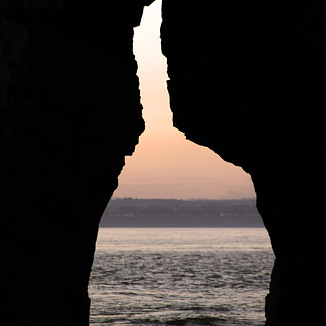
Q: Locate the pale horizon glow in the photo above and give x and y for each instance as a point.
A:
(165, 164)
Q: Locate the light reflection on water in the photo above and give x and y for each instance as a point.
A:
(180, 276)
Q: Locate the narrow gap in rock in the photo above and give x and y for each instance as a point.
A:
(165, 164)
(160, 258)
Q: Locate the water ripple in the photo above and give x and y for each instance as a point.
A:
(136, 286)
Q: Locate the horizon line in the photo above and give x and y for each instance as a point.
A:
(188, 199)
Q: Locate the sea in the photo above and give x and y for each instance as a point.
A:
(180, 276)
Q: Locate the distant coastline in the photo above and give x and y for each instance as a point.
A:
(130, 212)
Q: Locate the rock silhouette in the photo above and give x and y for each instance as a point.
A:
(246, 80)
(70, 112)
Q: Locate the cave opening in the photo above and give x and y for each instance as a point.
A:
(71, 112)
(150, 271)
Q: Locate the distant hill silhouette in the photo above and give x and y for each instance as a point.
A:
(129, 212)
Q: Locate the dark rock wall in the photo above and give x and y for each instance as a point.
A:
(247, 79)
(69, 113)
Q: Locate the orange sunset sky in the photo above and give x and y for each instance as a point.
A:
(165, 164)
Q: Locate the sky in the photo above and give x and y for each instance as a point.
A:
(165, 164)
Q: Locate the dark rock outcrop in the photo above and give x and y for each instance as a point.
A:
(247, 79)
(70, 112)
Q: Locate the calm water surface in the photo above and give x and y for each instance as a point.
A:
(180, 276)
